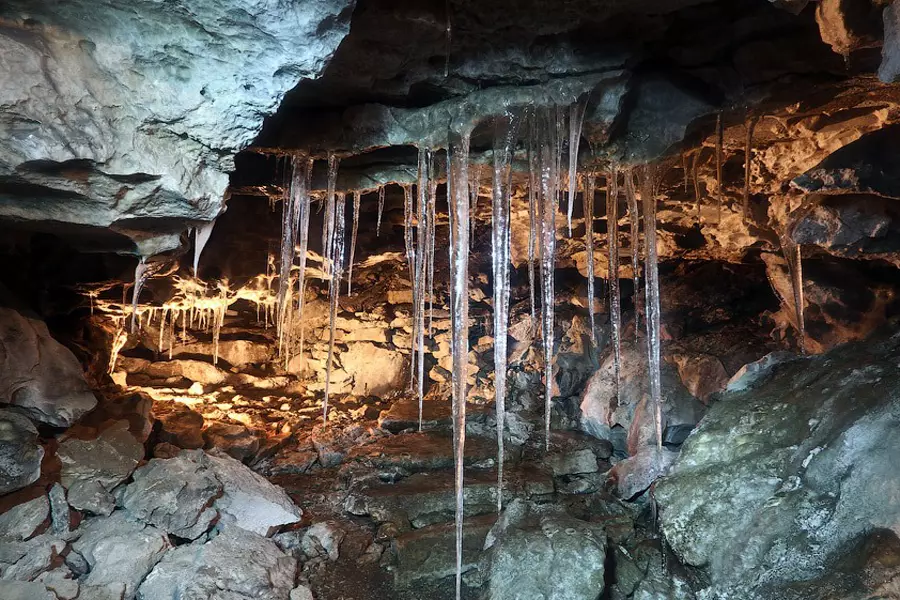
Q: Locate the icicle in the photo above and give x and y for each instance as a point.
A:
(686, 172)
(356, 199)
(612, 236)
(533, 180)
(141, 273)
(458, 174)
(748, 149)
(720, 135)
(334, 288)
(302, 176)
(474, 189)
(588, 202)
(432, 221)
(201, 236)
(576, 120)
(411, 265)
(651, 280)
(380, 211)
(449, 39)
(328, 223)
(695, 167)
(549, 163)
(420, 275)
(635, 219)
(794, 257)
(505, 134)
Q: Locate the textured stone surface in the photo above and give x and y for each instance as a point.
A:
(165, 94)
(20, 454)
(107, 460)
(21, 521)
(236, 564)
(38, 374)
(795, 469)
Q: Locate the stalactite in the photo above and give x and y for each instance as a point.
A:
(794, 256)
(201, 236)
(748, 154)
(356, 201)
(380, 211)
(533, 183)
(141, 274)
(651, 272)
(588, 202)
(720, 188)
(695, 168)
(576, 121)
(635, 221)
(612, 237)
(420, 274)
(334, 289)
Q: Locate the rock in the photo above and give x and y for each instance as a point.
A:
(239, 563)
(119, 551)
(91, 497)
(20, 453)
(629, 420)
(23, 561)
(180, 426)
(436, 414)
(249, 500)
(572, 463)
(796, 469)
(60, 521)
(755, 372)
(39, 375)
(237, 353)
(105, 461)
(637, 473)
(374, 370)
(175, 495)
(702, 374)
(192, 370)
(889, 70)
(322, 539)
(169, 130)
(235, 440)
(25, 590)
(544, 554)
(60, 581)
(301, 592)
(22, 521)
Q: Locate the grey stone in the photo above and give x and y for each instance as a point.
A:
(543, 554)
(301, 592)
(25, 590)
(573, 463)
(119, 551)
(889, 70)
(107, 460)
(237, 564)
(20, 453)
(90, 496)
(21, 521)
(174, 494)
(429, 553)
(794, 470)
(59, 510)
(61, 581)
(637, 473)
(755, 372)
(322, 539)
(23, 561)
(39, 375)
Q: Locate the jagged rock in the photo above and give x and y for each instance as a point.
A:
(889, 70)
(322, 539)
(39, 375)
(60, 519)
(540, 553)
(20, 454)
(248, 500)
(755, 372)
(572, 463)
(637, 473)
(239, 563)
(795, 469)
(301, 592)
(105, 461)
(628, 421)
(429, 553)
(119, 551)
(21, 521)
(193, 370)
(23, 561)
(180, 426)
(61, 581)
(374, 370)
(25, 590)
(175, 494)
(92, 497)
(235, 440)
(702, 374)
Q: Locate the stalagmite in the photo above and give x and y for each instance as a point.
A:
(550, 131)
(635, 221)
(201, 236)
(612, 237)
(505, 134)
(576, 121)
(334, 287)
(380, 211)
(356, 200)
(458, 198)
(588, 202)
(651, 279)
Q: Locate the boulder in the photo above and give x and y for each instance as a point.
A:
(237, 564)
(92, 465)
(374, 370)
(237, 353)
(119, 551)
(179, 425)
(20, 453)
(540, 553)
(237, 441)
(779, 479)
(25, 590)
(637, 473)
(22, 521)
(39, 375)
(628, 420)
(701, 374)
(25, 560)
(322, 539)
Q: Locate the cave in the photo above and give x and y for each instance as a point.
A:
(503, 300)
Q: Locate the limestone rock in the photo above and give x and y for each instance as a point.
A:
(236, 564)
(25, 590)
(20, 454)
(39, 375)
(180, 426)
(237, 353)
(794, 469)
(107, 460)
(25, 560)
(21, 521)
(193, 370)
(235, 440)
(119, 551)
(322, 539)
(375, 371)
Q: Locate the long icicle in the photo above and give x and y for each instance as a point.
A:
(432, 224)
(576, 121)
(459, 299)
(356, 200)
(303, 165)
(634, 217)
(588, 202)
(550, 162)
(328, 223)
(141, 274)
(505, 134)
(380, 211)
(748, 153)
(695, 168)
(612, 237)
(201, 236)
(651, 280)
(411, 265)
(421, 275)
(794, 257)
(474, 190)
(533, 180)
(334, 290)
